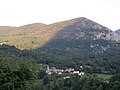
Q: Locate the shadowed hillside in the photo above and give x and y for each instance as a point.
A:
(83, 34)
(117, 31)
(82, 42)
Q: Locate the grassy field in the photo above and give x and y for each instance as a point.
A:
(103, 76)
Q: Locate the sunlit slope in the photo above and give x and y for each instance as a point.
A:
(33, 35)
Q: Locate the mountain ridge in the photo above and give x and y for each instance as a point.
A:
(36, 35)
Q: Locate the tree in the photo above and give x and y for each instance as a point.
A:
(45, 80)
(16, 74)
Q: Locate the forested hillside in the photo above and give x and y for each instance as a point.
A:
(27, 51)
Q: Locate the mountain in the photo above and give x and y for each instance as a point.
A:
(37, 35)
(70, 43)
(117, 31)
(32, 35)
(21, 36)
(79, 42)
(83, 34)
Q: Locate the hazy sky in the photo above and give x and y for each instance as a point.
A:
(20, 12)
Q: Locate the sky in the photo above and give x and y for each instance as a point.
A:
(22, 12)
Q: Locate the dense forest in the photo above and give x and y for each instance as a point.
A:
(20, 71)
(24, 75)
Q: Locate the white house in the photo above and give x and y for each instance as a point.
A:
(81, 73)
(69, 70)
(76, 72)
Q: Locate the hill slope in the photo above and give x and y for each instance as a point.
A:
(117, 31)
(20, 37)
(31, 36)
(36, 35)
(84, 35)
(69, 43)
(82, 42)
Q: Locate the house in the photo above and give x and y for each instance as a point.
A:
(106, 81)
(69, 70)
(54, 70)
(81, 73)
(76, 72)
(81, 67)
(66, 77)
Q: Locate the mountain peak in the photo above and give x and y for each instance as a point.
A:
(82, 27)
(36, 35)
(85, 22)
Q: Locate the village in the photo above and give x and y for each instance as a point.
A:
(54, 70)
